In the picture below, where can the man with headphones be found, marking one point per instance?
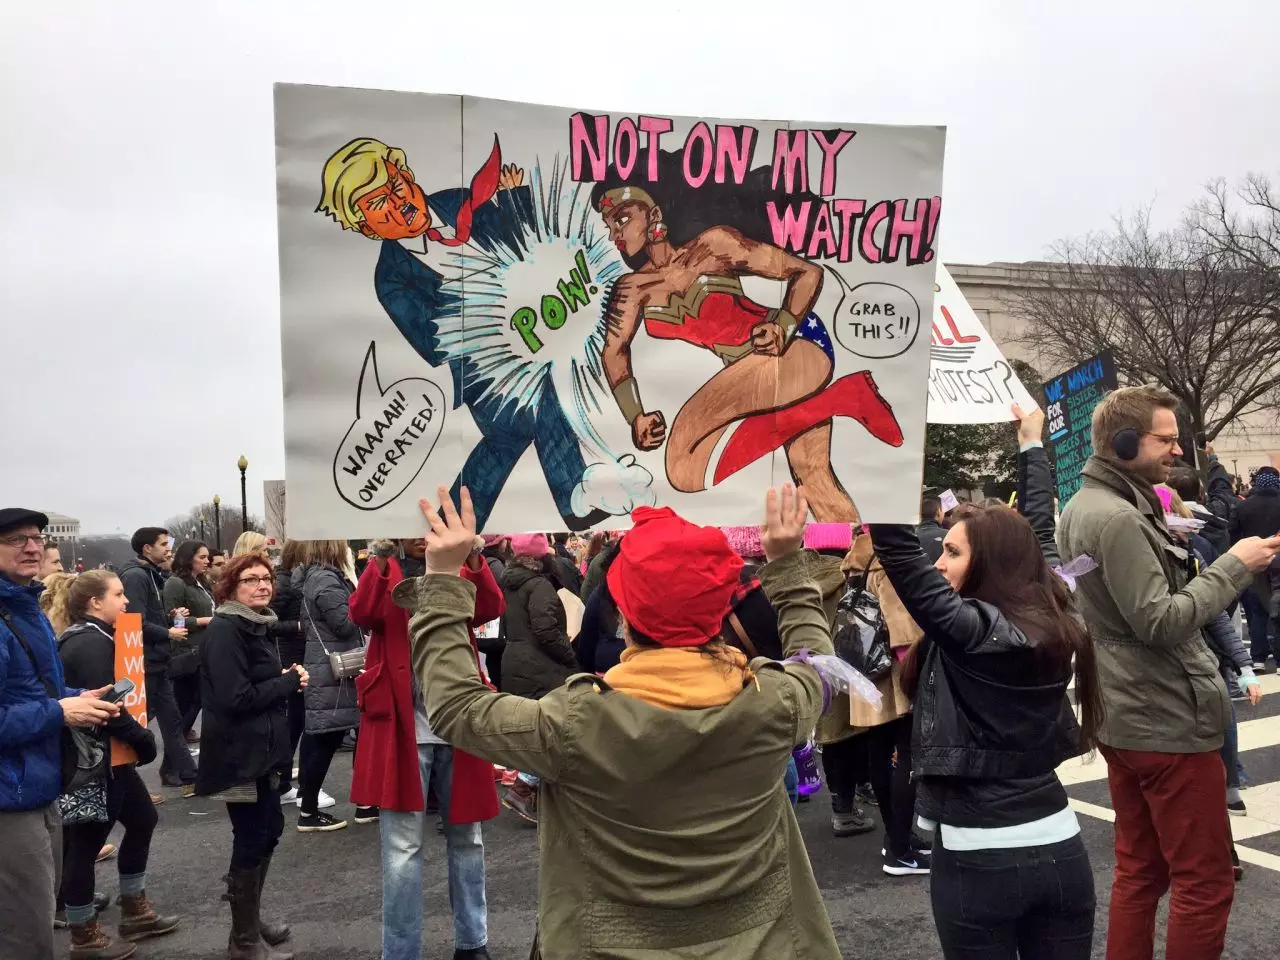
(1166, 705)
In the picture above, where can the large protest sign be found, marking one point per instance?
(970, 381)
(129, 663)
(1070, 398)
(575, 313)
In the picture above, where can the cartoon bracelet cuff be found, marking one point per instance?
(627, 394)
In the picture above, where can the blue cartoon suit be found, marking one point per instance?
(413, 295)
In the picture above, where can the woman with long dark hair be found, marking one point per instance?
(993, 722)
(189, 588)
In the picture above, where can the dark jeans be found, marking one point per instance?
(316, 753)
(297, 709)
(186, 691)
(128, 804)
(1033, 903)
(162, 706)
(895, 793)
(1256, 614)
(255, 827)
(844, 764)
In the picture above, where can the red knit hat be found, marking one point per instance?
(673, 580)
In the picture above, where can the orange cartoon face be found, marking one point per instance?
(397, 210)
(628, 224)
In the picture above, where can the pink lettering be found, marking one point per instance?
(788, 155)
(654, 128)
(830, 150)
(822, 234)
(626, 131)
(700, 133)
(878, 213)
(960, 337)
(847, 211)
(736, 154)
(788, 230)
(902, 229)
(597, 152)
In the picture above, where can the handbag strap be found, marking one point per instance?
(314, 629)
(13, 628)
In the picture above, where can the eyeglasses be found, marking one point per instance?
(1166, 440)
(254, 581)
(19, 540)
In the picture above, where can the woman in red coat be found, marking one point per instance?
(399, 758)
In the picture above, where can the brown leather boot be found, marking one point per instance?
(139, 920)
(274, 933)
(90, 942)
(244, 890)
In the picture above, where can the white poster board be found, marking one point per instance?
(970, 381)
(575, 313)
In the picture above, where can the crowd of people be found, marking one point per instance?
(658, 702)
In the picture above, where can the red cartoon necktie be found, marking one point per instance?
(483, 186)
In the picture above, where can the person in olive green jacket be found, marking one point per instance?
(665, 826)
(188, 589)
(1166, 706)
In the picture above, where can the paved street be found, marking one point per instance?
(327, 885)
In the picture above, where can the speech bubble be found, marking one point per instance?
(875, 320)
(390, 439)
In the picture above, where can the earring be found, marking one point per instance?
(657, 232)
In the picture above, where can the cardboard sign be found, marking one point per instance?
(1070, 398)
(970, 381)
(129, 663)
(575, 313)
(948, 500)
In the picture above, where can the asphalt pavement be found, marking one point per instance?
(327, 885)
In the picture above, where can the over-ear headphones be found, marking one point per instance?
(1125, 444)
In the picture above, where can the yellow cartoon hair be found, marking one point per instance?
(354, 170)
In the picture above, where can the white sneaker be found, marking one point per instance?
(325, 801)
(290, 797)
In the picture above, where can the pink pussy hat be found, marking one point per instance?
(530, 545)
(828, 536)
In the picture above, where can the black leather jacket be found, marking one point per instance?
(992, 719)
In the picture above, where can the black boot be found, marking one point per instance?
(244, 887)
(274, 933)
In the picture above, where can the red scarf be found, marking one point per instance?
(483, 186)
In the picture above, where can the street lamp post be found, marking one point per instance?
(243, 464)
(217, 520)
(202, 528)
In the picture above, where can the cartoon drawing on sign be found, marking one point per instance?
(422, 279)
(775, 387)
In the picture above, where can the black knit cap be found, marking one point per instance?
(13, 517)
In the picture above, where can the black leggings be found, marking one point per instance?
(255, 827)
(129, 804)
(895, 793)
(297, 709)
(316, 754)
(845, 766)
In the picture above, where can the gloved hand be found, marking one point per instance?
(1249, 685)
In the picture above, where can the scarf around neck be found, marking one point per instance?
(234, 608)
(680, 678)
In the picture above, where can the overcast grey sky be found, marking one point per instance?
(137, 232)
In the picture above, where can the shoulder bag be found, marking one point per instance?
(346, 665)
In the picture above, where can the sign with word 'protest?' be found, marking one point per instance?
(1070, 398)
(575, 312)
(970, 381)
(129, 663)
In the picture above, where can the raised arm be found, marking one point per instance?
(739, 254)
(1035, 482)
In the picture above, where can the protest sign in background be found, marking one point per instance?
(1070, 399)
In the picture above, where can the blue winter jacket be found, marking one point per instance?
(30, 722)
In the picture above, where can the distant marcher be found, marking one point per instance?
(931, 532)
(244, 690)
(251, 541)
(143, 580)
(51, 561)
(189, 589)
(291, 644)
(57, 589)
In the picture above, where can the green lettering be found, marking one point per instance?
(553, 311)
(522, 322)
(574, 291)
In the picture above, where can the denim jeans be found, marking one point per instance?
(403, 838)
(999, 904)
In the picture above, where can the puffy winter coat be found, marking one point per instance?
(538, 657)
(328, 628)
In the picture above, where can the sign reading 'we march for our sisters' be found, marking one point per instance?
(575, 313)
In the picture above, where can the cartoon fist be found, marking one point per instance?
(510, 177)
(767, 338)
(649, 430)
